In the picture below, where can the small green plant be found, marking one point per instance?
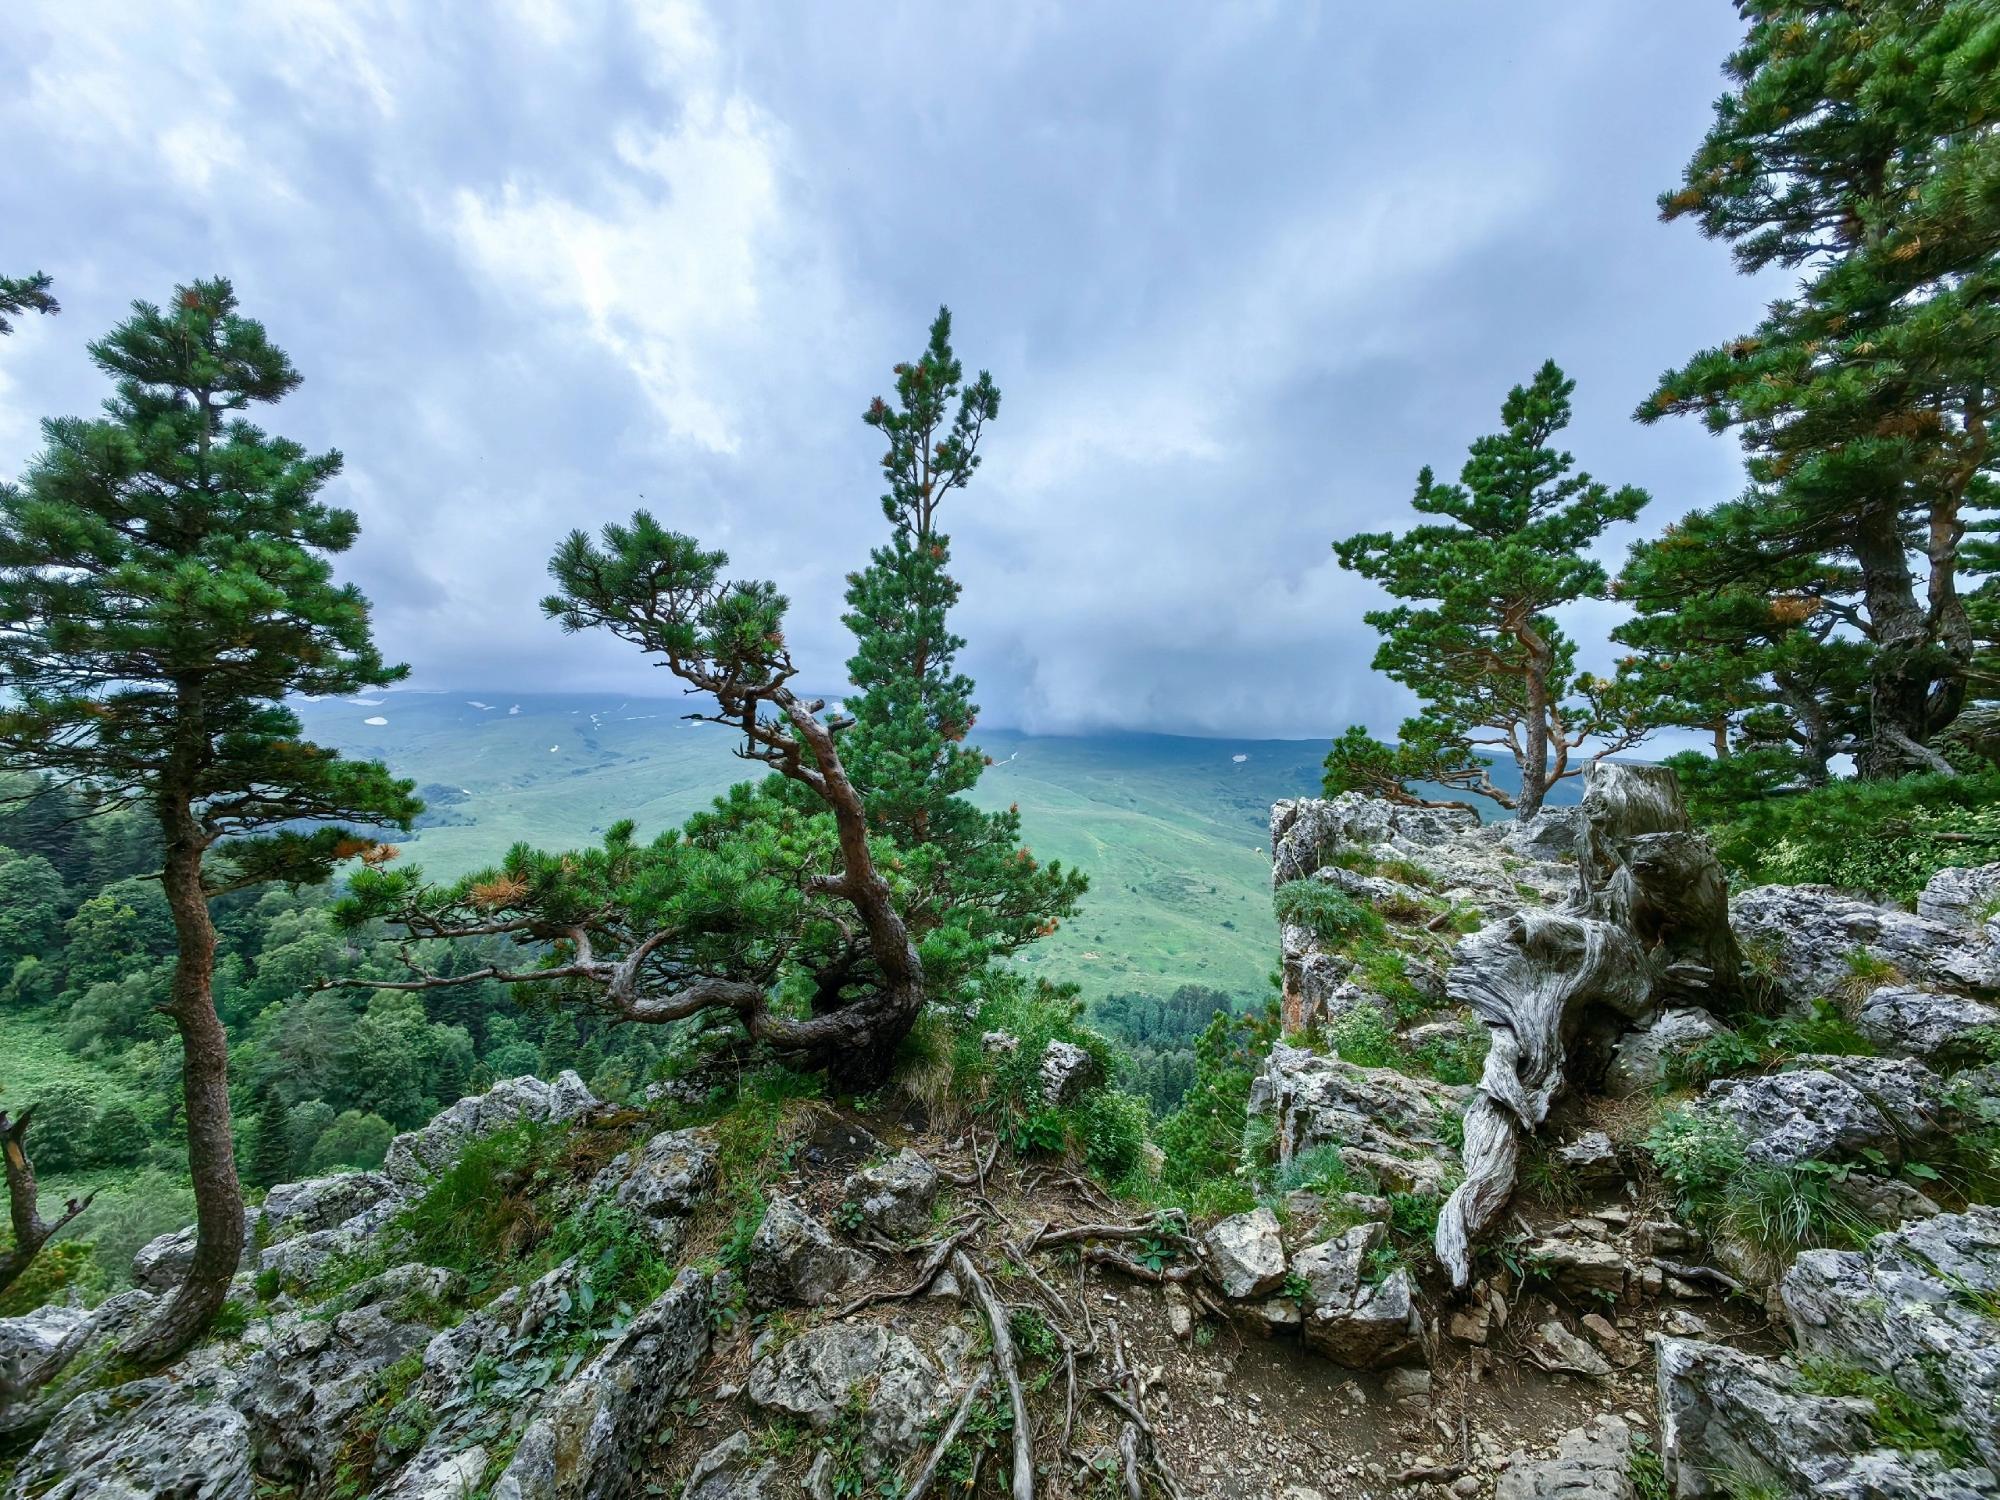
(1646, 1472)
(1331, 915)
(1295, 1288)
(1322, 1170)
(269, 1283)
(1414, 1216)
(1900, 1420)
(1032, 1335)
(1364, 1037)
(1382, 1262)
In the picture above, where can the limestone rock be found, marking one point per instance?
(815, 1376)
(1960, 895)
(302, 1390)
(416, 1156)
(1924, 1024)
(1590, 1463)
(1590, 1160)
(1315, 1100)
(1730, 1420)
(731, 1471)
(1833, 1108)
(794, 1259)
(582, 1442)
(1582, 1265)
(1246, 1253)
(34, 1339)
(144, 1440)
(321, 1203)
(1555, 1348)
(661, 1182)
(1066, 1071)
(1912, 1307)
(1349, 1318)
(1639, 1061)
(1813, 929)
(895, 1197)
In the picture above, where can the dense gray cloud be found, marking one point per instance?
(1239, 271)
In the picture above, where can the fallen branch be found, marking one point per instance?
(1700, 1273)
(1003, 1355)
(941, 1252)
(1433, 1474)
(950, 1435)
(1111, 1260)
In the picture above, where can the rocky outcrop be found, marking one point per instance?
(1942, 1029)
(1353, 1310)
(1386, 1123)
(1814, 932)
(1917, 1307)
(1833, 1109)
(143, 1440)
(818, 1375)
(1067, 1070)
(660, 1183)
(1961, 896)
(1641, 1057)
(579, 1445)
(417, 1156)
(1245, 1254)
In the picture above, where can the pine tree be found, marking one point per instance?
(1855, 147)
(977, 893)
(19, 294)
(1747, 647)
(271, 1147)
(164, 586)
(1492, 666)
(854, 880)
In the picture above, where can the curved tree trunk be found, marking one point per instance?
(218, 1196)
(1648, 924)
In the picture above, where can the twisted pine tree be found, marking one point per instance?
(823, 907)
(1856, 146)
(164, 586)
(1492, 666)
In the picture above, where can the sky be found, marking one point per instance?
(1239, 271)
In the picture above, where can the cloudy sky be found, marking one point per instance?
(1239, 271)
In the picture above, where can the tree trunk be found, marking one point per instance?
(218, 1197)
(1900, 678)
(1535, 755)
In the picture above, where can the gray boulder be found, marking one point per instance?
(583, 1441)
(1246, 1253)
(894, 1197)
(1833, 1109)
(1960, 895)
(660, 1183)
(1814, 929)
(794, 1259)
(1924, 1023)
(32, 1341)
(152, 1439)
(1730, 1420)
(321, 1203)
(1590, 1463)
(1351, 1319)
(819, 1374)
(1639, 1060)
(732, 1470)
(1550, 834)
(417, 1156)
(1914, 1307)
(1066, 1071)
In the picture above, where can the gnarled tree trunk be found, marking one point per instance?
(1648, 924)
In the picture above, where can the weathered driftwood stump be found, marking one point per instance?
(1647, 926)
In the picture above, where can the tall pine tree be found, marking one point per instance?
(164, 586)
(977, 892)
(19, 294)
(1856, 147)
(1492, 666)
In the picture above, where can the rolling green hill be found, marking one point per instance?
(1172, 831)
